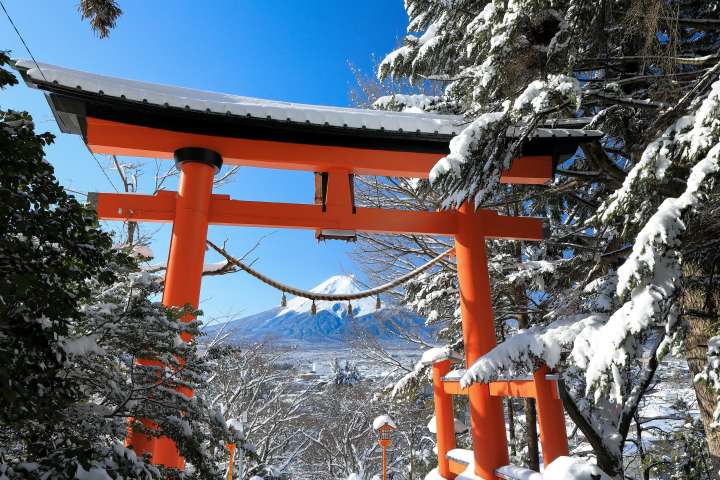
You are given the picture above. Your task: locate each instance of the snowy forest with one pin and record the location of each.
(620, 300)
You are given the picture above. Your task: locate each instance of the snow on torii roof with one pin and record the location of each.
(75, 95)
(227, 104)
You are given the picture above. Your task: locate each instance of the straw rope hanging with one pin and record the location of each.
(314, 296)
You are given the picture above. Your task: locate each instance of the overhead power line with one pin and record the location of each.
(22, 39)
(27, 48)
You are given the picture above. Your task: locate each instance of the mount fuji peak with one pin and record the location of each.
(331, 324)
(335, 285)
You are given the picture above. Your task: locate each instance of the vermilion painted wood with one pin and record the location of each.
(288, 215)
(231, 460)
(453, 388)
(385, 443)
(444, 418)
(384, 467)
(490, 224)
(135, 439)
(141, 208)
(551, 418)
(515, 388)
(105, 136)
(487, 418)
(529, 171)
(456, 468)
(224, 211)
(339, 201)
(185, 265)
(194, 207)
(189, 233)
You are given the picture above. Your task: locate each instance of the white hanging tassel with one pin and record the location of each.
(283, 300)
(313, 308)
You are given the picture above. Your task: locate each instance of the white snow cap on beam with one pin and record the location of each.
(215, 267)
(511, 472)
(563, 468)
(383, 420)
(438, 354)
(460, 427)
(572, 468)
(227, 104)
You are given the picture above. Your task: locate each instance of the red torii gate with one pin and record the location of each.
(201, 130)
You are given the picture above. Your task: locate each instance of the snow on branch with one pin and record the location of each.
(464, 144)
(650, 276)
(412, 378)
(418, 103)
(478, 153)
(522, 352)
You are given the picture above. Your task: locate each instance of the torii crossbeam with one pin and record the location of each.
(201, 130)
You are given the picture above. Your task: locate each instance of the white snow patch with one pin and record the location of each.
(460, 427)
(519, 352)
(438, 354)
(223, 103)
(463, 144)
(214, 267)
(569, 468)
(83, 345)
(383, 420)
(336, 285)
(518, 473)
(408, 103)
(563, 468)
(143, 251)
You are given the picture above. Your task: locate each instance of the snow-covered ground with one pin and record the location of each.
(320, 360)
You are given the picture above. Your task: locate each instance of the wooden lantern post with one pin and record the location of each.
(384, 427)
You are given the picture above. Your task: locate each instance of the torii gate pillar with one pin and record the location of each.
(487, 417)
(185, 264)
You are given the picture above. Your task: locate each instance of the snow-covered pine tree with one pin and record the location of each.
(624, 214)
(347, 374)
(75, 315)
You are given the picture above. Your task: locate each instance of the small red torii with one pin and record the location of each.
(203, 130)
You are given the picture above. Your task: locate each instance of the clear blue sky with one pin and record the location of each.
(294, 50)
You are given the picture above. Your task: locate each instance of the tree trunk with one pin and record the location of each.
(533, 459)
(609, 462)
(521, 303)
(533, 456)
(698, 332)
(511, 426)
(701, 323)
(131, 228)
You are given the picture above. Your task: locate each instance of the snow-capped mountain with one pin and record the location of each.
(295, 323)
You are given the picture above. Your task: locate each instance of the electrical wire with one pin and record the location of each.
(76, 192)
(22, 40)
(27, 48)
(107, 177)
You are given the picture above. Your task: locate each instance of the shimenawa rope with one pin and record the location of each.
(327, 296)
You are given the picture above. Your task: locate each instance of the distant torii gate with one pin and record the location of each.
(200, 130)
